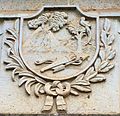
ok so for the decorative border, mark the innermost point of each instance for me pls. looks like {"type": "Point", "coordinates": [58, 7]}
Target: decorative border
{"type": "Point", "coordinates": [57, 89]}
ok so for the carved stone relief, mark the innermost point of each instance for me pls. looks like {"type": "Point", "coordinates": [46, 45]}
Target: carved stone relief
{"type": "Point", "coordinates": [61, 52]}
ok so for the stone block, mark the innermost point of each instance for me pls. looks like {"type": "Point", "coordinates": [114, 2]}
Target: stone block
{"type": "Point", "coordinates": [60, 61]}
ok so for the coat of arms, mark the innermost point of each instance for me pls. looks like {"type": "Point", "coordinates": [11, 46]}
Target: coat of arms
{"type": "Point", "coordinates": [60, 51]}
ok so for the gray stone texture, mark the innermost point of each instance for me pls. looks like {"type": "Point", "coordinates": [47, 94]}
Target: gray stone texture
{"type": "Point", "coordinates": [31, 5]}
{"type": "Point", "coordinates": [103, 100]}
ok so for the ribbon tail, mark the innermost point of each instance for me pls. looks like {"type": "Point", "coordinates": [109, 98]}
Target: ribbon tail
{"type": "Point", "coordinates": [48, 104]}
{"type": "Point", "coordinates": [61, 105]}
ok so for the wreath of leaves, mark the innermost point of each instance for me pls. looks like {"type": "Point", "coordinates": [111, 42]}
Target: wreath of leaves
{"type": "Point", "coordinates": [14, 63]}
{"type": "Point", "coordinates": [81, 83]}
{"type": "Point", "coordinates": [102, 64]}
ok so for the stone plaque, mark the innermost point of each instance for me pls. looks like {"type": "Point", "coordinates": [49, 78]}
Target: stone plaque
{"type": "Point", "coordinates": [66, 60]}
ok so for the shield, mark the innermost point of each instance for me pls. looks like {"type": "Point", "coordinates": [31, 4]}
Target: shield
{"type": "Point", "coordinates": [59, 43]}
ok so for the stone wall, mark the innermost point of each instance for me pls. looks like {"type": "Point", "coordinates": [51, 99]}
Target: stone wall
{"type": "Point", "coordinates": [32, 5]}
{"type": "Point", "coordinates": [105, 96]}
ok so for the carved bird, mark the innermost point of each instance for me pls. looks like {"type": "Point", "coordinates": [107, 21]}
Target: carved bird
{"type": "Point", "coordinates": [87, 26]}
{"type": "Point", "coordinates": [84, 23]}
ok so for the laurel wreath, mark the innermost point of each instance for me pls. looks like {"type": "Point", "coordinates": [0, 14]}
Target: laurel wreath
{"type": "Point", "coordinates": [57, 89]}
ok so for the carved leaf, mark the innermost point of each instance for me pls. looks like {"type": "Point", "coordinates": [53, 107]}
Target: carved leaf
{"type": "Point", "coordinates": [12, 32]}
{"type": "Point", "coordinates": [98, 78]}
{"type": "Point", "coordinates": [102, 53]}
{"type": "Point", "coordinates": [82, 88]}
{"type": "Point", "coordinates": [91, 76]}
{"type": "Point", "coordinates": [7, 61]}
{"type": "Point", "coordinates": [11, 66]}
{"type": "Point", "coordinates": [103, 65]}
{"type": "Point", "coordinates": [110, 39]}
{"type": "Point", "coordinates": [11, 38]}
{"type": "Point", "coordinates": [14, 57]}
{"type": "Point", "coordinates": [97, 64]}
{"type": "Point", "coordinates": [28, 85]}
{"type": "Point", "coordinates": [14, 72]}
{"type": "Point", "coordinates": [80, 77]}
{"type": "Point", "coordinates": [74, 92]}
{"type": "Point", "coordinates": [37, 88]}
{"type": "Point", "coordinates": [107, 68]}
{"type": "Point", "coordinates": [81, 82]}
{"type": "Point", "coordinates": [10, 52]}
{"type": "Point", "coordinates": [26, 74]}
{"type": "Point", "coordinates": [24, 79]}
{"type": "Point", "coordinates": [103, 37]}
{"type": "Point", "coordinates": [90, 73]}
{"type": "Point", "coordinates": [18, 71]}
{"type": "Point", "coordinates": [111, 55]}
{"type": "Point", "coordinates": [17, 26]}
{"type": "Point", "coordinates": [106, 25]}
{"type": "Point", "coordinates": [8, 43]}
{"type": "Point", "coordinates": [108, 50]}
{"type": "Point", "coordinates": [40, 80]}
{"type": "Point", "coordinates": [18, 61]}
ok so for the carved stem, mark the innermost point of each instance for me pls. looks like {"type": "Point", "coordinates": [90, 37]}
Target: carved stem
{"type": "Point", "coordinates": [79, 37]}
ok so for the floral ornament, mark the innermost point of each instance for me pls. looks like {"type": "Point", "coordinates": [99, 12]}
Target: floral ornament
{"type": "Point", "coordinates": [59, 90]}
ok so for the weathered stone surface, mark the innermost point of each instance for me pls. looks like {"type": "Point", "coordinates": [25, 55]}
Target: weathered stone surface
{"type": "Point", "coordinates": [97, 4]}
{"type": "Point", "coordinates": [30, 5]}
{"type": "Point", "coordinates": [63, 62]}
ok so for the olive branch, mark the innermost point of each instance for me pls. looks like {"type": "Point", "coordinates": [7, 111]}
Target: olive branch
{"type": "Point", "coordinates": [102, 64]}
